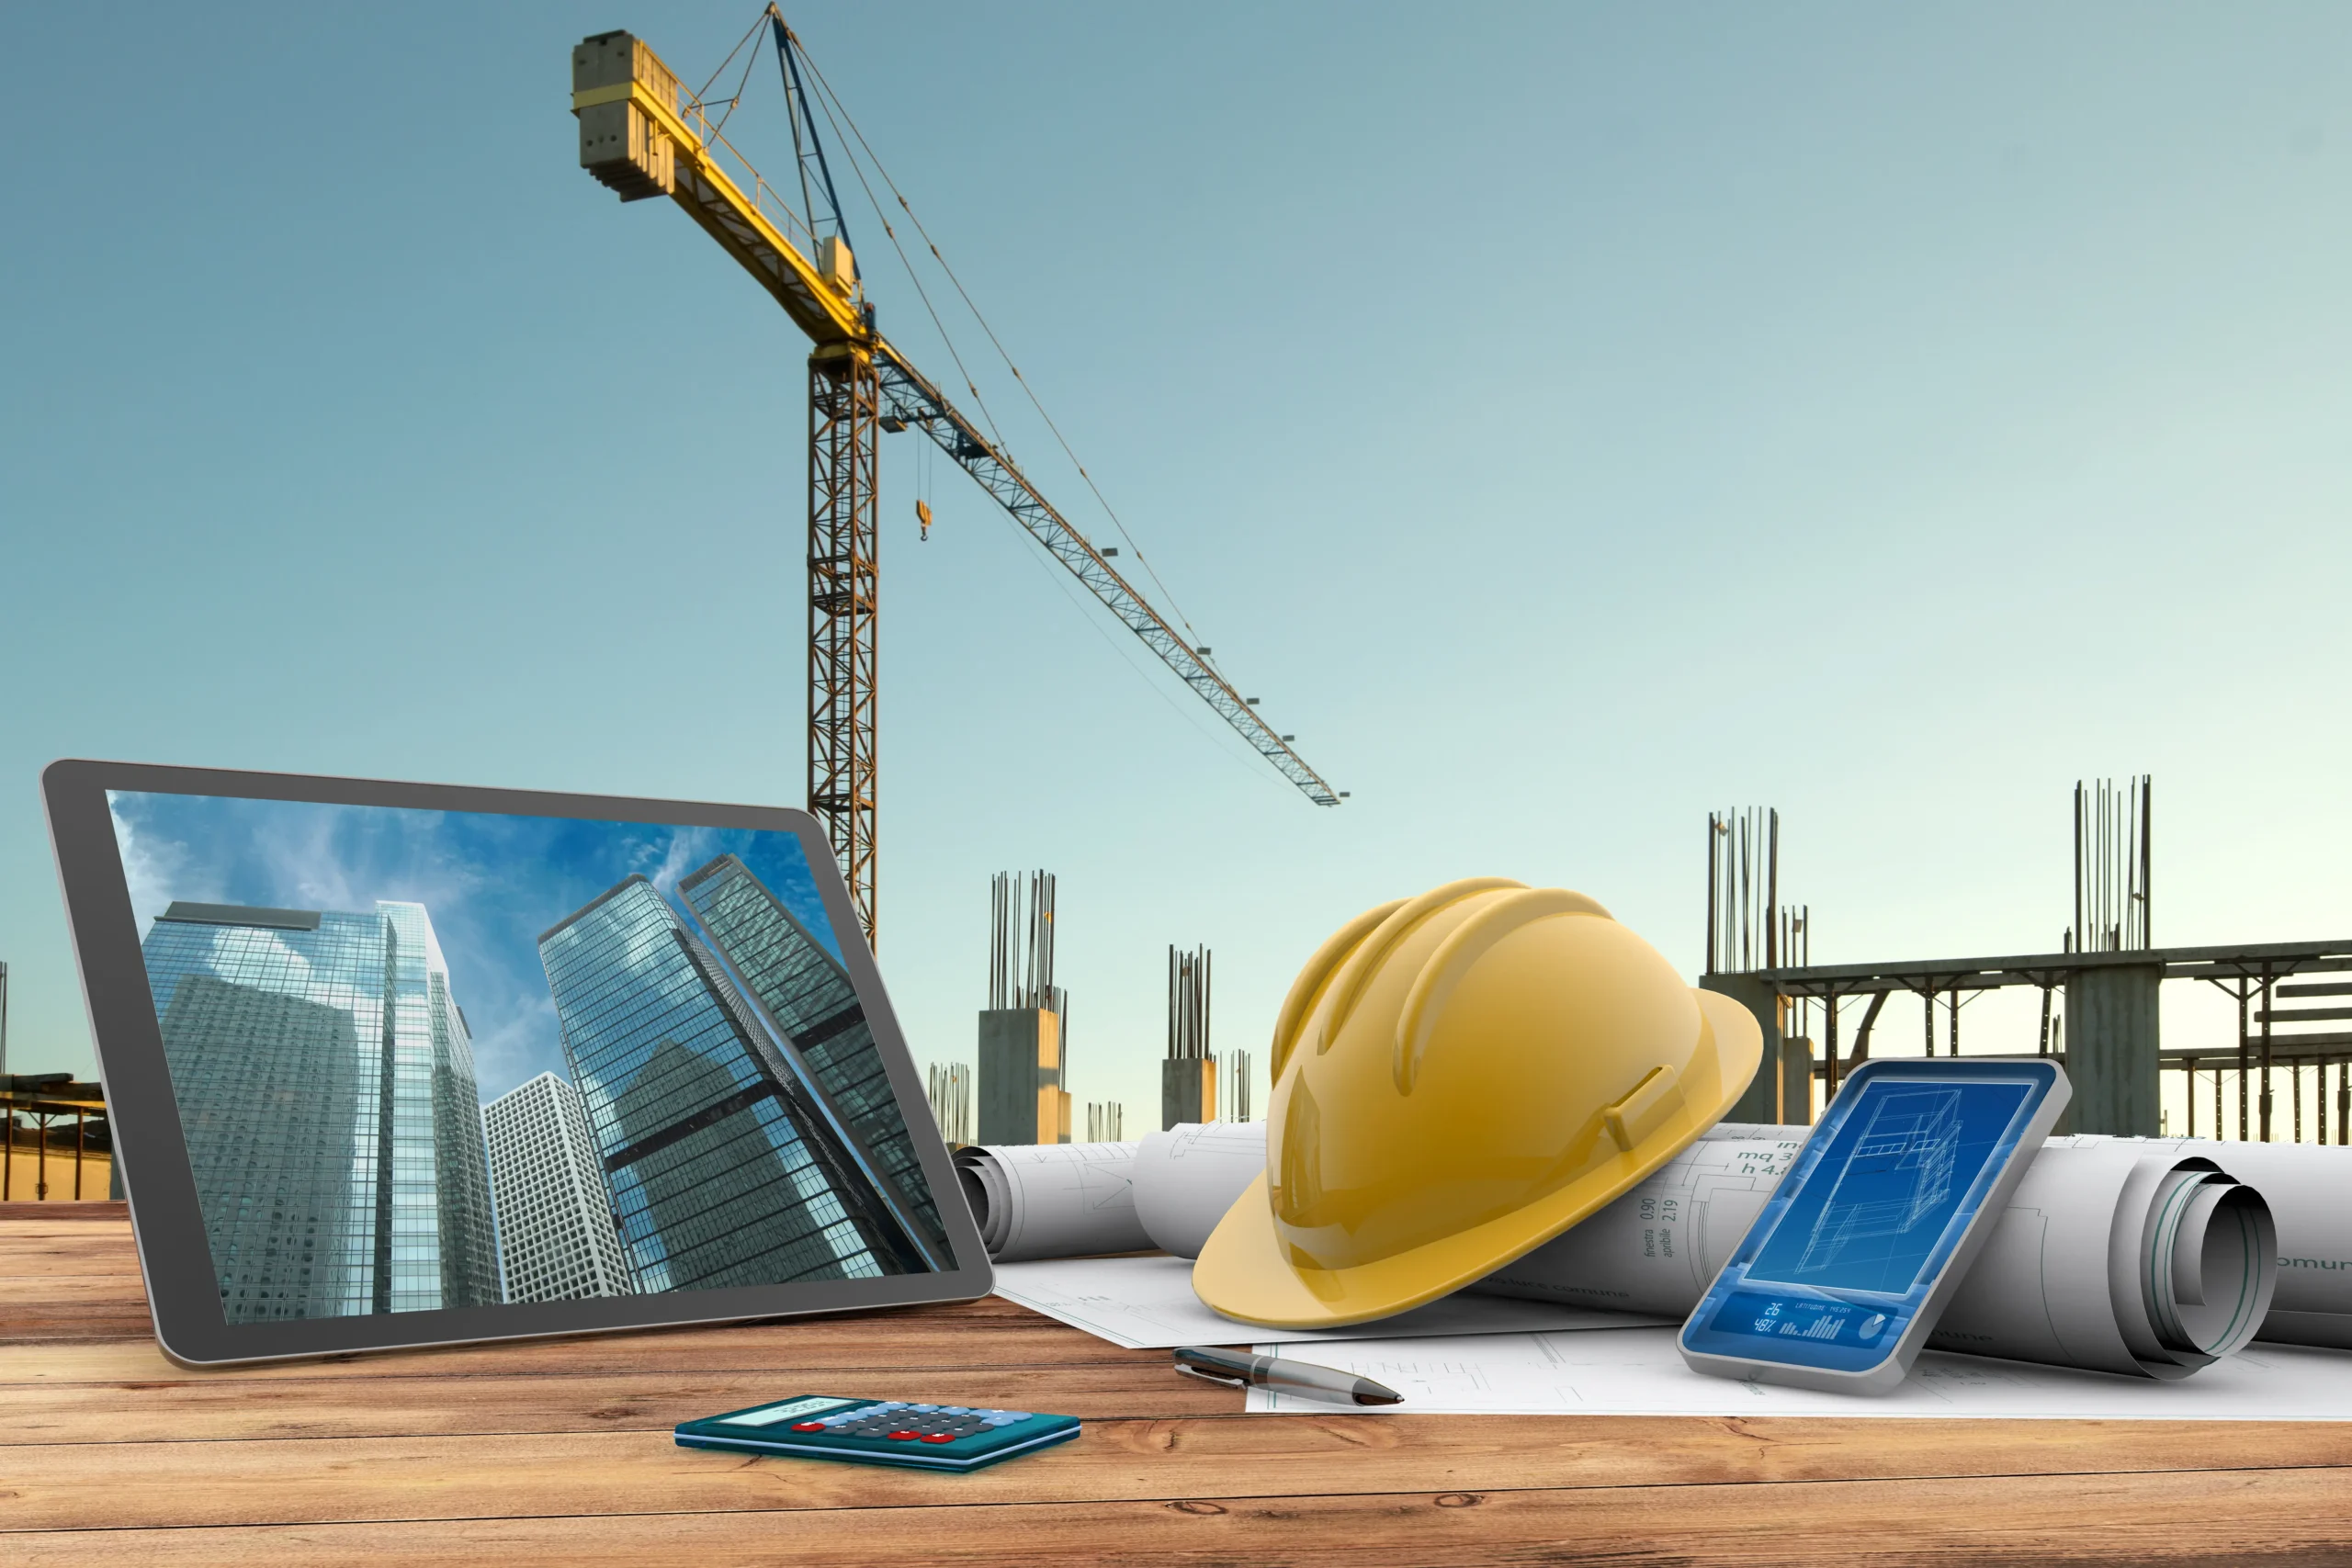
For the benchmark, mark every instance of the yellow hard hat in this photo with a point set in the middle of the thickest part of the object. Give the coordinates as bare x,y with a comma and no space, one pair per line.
1458,1078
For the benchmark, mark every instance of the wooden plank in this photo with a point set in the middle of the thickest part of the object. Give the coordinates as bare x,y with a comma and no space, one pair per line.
47,1288
326,1406
72,1249
29,1221
65,1210
321,1480
164,1411
959,1336
32,1323
2164,1518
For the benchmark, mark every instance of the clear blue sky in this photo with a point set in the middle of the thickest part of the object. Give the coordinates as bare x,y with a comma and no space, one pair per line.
1567,418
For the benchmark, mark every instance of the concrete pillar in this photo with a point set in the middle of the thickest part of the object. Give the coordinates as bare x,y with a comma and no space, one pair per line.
1021,1097
2112,1044
1796,1083
1762,1101
1187,1091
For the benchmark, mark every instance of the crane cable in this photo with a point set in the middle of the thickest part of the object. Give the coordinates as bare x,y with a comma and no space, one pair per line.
832,100
987,418
740,82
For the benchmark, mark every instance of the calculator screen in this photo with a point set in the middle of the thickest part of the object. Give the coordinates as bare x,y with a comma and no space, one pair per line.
790,1410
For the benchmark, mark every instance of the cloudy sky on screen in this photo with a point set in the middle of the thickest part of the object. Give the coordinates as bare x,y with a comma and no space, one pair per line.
492,884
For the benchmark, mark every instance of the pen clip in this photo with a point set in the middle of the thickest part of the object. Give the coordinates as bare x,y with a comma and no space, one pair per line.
1211,1377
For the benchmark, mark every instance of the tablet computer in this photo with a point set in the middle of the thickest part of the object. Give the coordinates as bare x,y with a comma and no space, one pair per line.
1840,1280
396,1065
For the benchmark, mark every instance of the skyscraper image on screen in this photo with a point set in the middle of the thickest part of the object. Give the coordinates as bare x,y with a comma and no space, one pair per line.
725,1162
807,997
556,1233
326,1087
1899,1173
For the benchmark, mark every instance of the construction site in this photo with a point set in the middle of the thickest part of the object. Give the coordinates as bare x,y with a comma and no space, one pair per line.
2283,1074
646,135
815,774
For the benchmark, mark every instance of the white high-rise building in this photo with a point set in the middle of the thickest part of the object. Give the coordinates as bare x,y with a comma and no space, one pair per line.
555,1224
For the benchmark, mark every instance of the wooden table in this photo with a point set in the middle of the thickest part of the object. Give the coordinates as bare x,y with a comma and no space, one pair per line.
562,1453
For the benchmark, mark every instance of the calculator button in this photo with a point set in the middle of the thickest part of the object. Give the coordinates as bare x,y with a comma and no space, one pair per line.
926,1409
904,1437
807,1426
939,1436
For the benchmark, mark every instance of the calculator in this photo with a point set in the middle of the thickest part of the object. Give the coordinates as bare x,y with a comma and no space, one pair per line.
880,1431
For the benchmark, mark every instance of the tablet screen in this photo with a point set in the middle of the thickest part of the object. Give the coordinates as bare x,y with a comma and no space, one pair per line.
433,1059
1846,1257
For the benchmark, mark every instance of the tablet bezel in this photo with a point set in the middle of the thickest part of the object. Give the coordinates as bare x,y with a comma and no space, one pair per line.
151,1150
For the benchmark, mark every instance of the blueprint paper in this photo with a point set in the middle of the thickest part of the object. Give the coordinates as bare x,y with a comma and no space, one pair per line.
1052,1199
1187,1177
2082,1271
1147,1304
1168,1190
1657,1248
1638,1371
2309,1188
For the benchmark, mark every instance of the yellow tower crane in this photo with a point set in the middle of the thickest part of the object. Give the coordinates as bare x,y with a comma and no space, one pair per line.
643,135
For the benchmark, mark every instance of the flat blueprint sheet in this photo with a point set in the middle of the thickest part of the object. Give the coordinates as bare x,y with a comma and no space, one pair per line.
1147,1304
1638,1371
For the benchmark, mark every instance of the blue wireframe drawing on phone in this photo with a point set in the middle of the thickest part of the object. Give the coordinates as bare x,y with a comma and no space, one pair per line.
1900,1173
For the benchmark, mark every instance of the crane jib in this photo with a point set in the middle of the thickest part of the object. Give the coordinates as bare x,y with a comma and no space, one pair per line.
915,402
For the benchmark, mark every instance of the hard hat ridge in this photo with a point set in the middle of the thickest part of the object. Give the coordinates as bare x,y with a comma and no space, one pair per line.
1468,942
1348,987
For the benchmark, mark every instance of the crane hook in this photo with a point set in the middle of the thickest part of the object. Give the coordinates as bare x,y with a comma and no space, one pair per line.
923,514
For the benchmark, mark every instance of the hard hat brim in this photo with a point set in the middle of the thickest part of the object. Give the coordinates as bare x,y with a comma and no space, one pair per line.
1246,1270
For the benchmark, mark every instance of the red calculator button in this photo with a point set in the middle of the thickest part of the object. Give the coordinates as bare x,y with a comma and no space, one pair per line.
939,1437
807,1426
904,1437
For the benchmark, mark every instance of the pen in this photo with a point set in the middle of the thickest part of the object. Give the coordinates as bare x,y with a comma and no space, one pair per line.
1241,1369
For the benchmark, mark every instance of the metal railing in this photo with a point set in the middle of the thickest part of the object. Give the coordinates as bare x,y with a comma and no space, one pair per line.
46,1100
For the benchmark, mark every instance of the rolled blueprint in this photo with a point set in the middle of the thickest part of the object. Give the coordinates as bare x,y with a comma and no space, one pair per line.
1052,1199
2118,1255
1167,1191
2137,1258
1187,1177
2309,1188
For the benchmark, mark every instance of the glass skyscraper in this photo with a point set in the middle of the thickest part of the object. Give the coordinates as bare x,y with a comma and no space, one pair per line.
724,1165
325,1079
807,995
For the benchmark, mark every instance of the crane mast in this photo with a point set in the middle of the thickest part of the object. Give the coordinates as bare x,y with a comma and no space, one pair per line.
642,136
